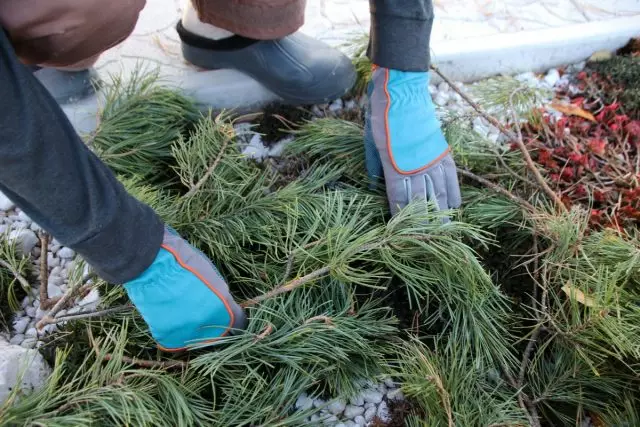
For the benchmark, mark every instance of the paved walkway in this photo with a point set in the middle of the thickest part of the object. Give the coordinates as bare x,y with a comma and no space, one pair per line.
471,39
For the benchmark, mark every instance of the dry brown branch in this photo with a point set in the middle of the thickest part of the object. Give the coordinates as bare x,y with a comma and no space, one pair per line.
265,333
61,302
288,287
19,277
498,189
45,303
326,319
162,364
444,397
210,169
48,320
495,122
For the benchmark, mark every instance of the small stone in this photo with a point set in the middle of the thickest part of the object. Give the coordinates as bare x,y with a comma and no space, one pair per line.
350,105
26,302
340,425
36,252
441,99
353,411
56,271
336,105
256,149
19,225
92,298
389,382
382,388
372,396
66,253
337,406
20,325
17,339
329,420
350,424
369,405
433,90
40,313
31,332
318,403
24,217
36,303
18,363
19,313
357,401
5,203
35,227
370,413
25,239
443,87
55,280
552,77
383,412
303,402
360,421
52,261
277,149
3,228
29,343
53,290
396,394
315,418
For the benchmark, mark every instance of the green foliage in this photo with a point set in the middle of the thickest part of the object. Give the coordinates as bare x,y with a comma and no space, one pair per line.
623,71
139,122
504,95
357,49
11,289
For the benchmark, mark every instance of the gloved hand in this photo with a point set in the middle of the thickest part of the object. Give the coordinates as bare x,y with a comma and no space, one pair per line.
404,141
183,298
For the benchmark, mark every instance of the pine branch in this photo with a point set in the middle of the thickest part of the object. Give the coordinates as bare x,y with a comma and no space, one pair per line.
498,189
19,277
161,364
60,302
444,396
48,320
209,170
525,152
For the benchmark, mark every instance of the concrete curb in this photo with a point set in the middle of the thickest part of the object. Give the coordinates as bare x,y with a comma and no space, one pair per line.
472,59
463,60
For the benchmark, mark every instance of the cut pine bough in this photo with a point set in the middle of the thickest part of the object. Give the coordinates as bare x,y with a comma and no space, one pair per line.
512,314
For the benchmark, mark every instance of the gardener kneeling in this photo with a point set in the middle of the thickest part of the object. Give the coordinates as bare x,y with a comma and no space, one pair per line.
54,178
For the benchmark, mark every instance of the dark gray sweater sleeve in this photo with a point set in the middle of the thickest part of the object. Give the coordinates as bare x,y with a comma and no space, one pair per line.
400,34
54,178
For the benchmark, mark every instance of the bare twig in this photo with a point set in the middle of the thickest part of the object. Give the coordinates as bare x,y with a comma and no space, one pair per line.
287,287
265,333
19,277
45,303
495,122
162,364
444,397
60,302
48,320
326,319
210,169
498,189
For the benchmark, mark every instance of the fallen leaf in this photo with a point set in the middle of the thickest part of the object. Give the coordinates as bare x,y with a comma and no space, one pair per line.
601,55
578,295
572,110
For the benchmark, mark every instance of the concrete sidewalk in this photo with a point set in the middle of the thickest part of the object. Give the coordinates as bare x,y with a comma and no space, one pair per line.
472,39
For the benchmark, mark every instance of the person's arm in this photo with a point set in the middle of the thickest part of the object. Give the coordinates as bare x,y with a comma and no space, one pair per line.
400,34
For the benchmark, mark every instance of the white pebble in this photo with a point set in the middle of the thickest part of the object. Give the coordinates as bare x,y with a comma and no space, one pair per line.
5,203
19,225
383,412
369,405
357,401
53,290
277,149
20,325
17,339
370,413
256,149
353,411
389,382
29,343
552,77
31,332
26,302
303,402
359,420
66,253
25,240
433,90
40,313
350,423
337,406
340,425
350,105
329,420
24,217
382,388
441,99
318,403
35,227
52,261
443,87
3,228
336,105
372,396
92,298
396,394
55,280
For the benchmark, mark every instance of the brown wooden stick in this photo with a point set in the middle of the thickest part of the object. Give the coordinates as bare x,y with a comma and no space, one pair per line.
60,302
326,319
498,189
48,320
162,364
287,287
45,303
495,122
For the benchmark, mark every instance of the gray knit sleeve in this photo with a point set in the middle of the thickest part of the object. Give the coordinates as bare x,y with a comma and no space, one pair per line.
400,34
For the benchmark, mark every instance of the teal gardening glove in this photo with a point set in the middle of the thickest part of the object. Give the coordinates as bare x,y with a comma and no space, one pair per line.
403,141
183,298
